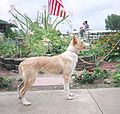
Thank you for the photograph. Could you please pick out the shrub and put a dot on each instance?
(89, 76)
(116, 76)
(107, 42)
(103, 46)
(4, 81)
(34, 34)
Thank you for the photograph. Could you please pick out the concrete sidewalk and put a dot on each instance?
(86, 101)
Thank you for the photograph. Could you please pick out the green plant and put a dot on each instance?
(103, 46)
(106, 81)
(89, 76)
(33, 34)
(20, 79)
(116, 76)
(4, 81)
(116, 80)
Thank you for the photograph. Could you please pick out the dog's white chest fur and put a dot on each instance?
(73, 57)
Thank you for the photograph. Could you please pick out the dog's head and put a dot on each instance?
(79, 45)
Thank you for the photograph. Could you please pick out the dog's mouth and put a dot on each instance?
(86, 48)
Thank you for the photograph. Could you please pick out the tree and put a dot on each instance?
(112, 22)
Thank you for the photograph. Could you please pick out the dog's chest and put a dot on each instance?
(72, 57)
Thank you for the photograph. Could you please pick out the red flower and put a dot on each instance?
(24, 47)
(0, 80)
(80, 78)
(90, 70)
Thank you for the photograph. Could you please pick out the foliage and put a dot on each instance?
(106, 44)
(113, 22)
(89, 76)
(20, 79)
(103, 46)
(39, 37)
(4, 81)
(116, 77)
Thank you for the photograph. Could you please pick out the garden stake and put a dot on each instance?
(101, 59)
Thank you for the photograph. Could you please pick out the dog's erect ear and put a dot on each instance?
(74, 39)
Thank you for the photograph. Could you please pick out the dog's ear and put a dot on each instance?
(74, 39)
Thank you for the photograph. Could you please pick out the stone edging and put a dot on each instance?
(13, 63)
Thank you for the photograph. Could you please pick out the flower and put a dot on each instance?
(0, 80)
(12, 6)
(42, 25)
(24, 47)
(9, 11)
(118, 48)
(116, 53)
(46, 39)
(45, 44)
(30, 32)
(89, 70)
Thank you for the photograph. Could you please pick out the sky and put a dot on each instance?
(94, 11)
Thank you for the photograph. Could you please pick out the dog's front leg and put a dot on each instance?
(66, 88)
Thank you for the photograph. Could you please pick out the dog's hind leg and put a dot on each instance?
(19, 88)
(27, 84)
(66, 87)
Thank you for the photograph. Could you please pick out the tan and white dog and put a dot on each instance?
(63, 64)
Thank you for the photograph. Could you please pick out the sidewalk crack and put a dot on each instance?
(95, 101)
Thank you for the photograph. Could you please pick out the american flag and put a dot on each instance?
(55, 7)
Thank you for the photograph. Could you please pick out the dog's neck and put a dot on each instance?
(71, 53)
(71, 48)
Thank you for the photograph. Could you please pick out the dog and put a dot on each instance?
(63, 64)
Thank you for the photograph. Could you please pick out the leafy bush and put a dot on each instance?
(89, 76)
(107, 42)
(116, 80)
(103, 46)
(116, 76)
(4, 81)
(34, 35)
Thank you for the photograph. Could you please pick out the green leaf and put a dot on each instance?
(116, 76)
(97, 70)
(117, 66)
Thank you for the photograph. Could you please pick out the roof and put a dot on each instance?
(4, 22)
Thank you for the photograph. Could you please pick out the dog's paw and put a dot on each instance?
(26, 103)
(71, 94)
(70, 98)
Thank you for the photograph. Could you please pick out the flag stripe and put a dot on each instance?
(52, 6)
(64, 14)
(55, 7)
(58, 11)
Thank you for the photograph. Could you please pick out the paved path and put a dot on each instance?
(86, 101)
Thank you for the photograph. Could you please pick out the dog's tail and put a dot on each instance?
(20, 69)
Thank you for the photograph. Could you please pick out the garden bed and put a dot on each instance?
(12, 86)
(97, 84)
